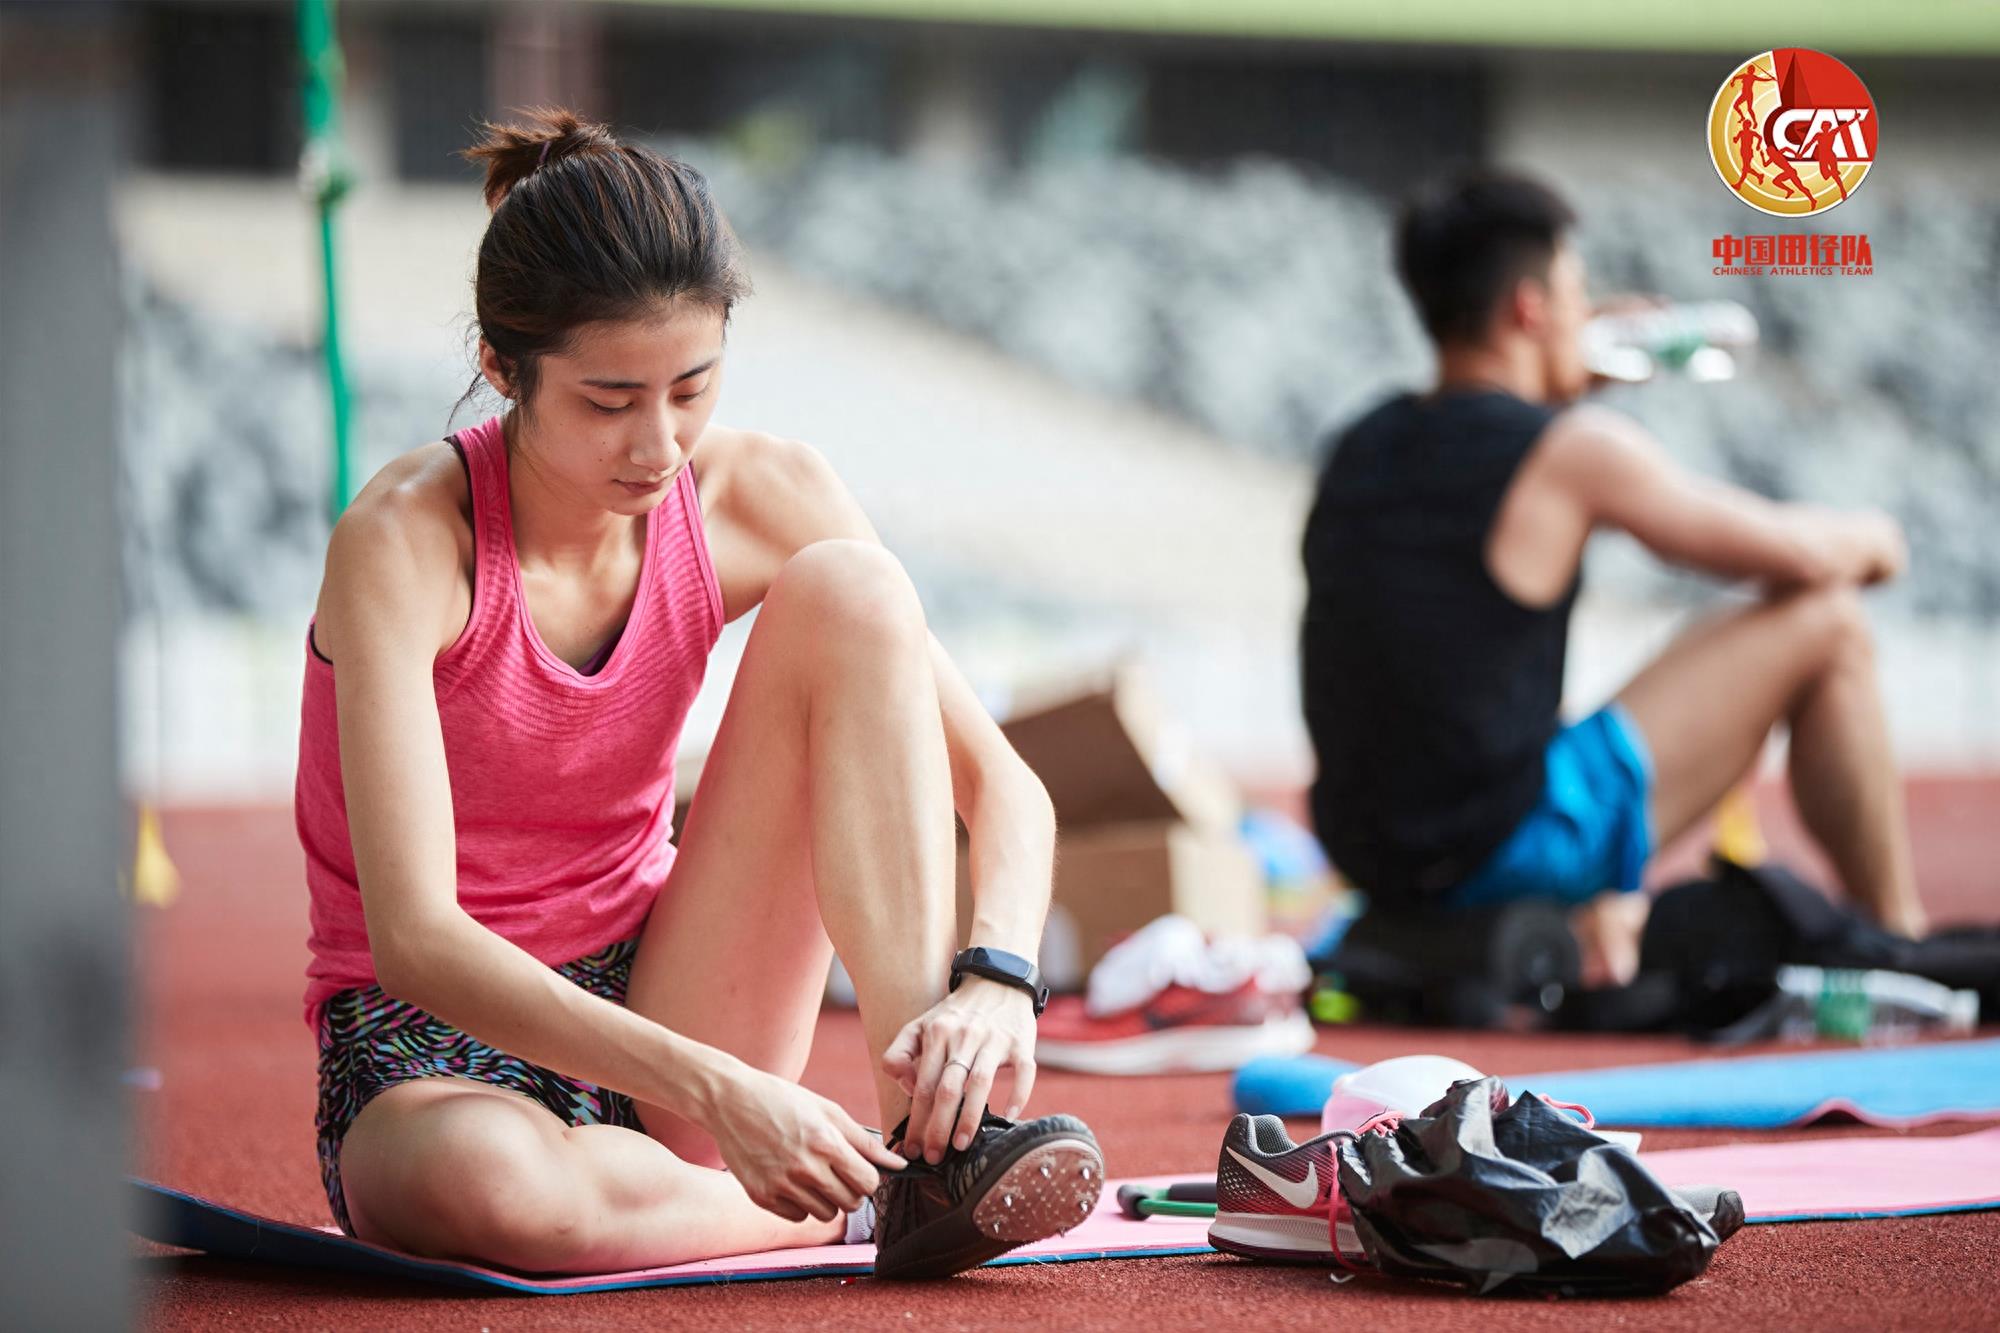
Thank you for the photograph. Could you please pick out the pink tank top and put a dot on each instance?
(562, 784)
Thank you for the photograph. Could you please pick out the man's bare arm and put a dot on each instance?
(1621, 478)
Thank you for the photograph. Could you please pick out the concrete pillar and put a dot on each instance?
(63, 833)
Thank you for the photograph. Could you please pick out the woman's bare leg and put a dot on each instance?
(458, 1169)
(1806, 659)
(825, 810)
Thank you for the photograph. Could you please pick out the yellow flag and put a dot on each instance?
(154, 879)
(1737, 835)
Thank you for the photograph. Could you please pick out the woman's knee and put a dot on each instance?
(850, 592)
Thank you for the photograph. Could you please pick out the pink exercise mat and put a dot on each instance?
(1780, 1182)
(1845, 1177)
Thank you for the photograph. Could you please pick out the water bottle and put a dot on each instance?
(1868, 1007)
(1699, 339)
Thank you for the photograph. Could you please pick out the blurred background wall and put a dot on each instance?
(1069, 293)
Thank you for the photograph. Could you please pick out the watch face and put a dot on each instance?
(998, 965)
(1007, 963)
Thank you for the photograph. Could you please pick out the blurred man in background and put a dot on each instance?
(1443, 557)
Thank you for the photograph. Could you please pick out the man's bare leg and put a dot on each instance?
(1805, 658)
(1848, 791)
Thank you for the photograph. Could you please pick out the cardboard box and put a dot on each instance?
(1108, 754)
(1114, 878)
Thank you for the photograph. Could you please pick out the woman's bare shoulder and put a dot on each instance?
(745, 475)
(396, 557)
(727, 453)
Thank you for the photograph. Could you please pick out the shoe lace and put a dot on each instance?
(1382, 1121)
(896, 1208)
(958, 1170)
(1589, 1120)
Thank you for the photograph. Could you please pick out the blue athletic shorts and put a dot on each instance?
(1592, 829)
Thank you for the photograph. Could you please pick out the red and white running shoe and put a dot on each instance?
(1276, 1199)
(1178, 1030)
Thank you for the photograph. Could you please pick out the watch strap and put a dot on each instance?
(1009, 969)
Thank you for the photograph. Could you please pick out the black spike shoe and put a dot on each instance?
(1015, 1184)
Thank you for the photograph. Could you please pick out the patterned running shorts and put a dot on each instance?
(369, 1042)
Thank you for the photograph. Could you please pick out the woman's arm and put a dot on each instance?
(1010, 826)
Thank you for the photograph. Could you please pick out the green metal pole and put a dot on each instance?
(326, 176)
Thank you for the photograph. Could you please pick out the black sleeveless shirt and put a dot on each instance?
(1429, 692)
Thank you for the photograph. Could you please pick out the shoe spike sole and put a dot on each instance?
(1048, 1190)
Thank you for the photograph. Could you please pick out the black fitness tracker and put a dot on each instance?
(1007, 968)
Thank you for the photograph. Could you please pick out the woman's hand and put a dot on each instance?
(796, 1153)
(946, 1059)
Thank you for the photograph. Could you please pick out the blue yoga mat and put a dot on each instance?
(1886, 1086)
(188, 1221)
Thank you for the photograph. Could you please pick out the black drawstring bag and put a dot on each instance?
(1489, 1194)
(1709, 959)
(1723, 939)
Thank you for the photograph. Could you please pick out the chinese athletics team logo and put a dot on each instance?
(1792, 132)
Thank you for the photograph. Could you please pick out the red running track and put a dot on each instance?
(220, 975)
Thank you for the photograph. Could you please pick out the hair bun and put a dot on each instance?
(512, 153)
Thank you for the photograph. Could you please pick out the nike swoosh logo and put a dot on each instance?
(1300, 1194)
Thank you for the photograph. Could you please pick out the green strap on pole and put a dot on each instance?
(326, 176)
